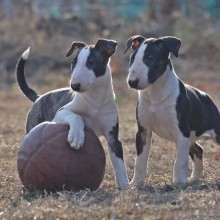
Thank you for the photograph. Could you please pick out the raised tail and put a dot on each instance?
(28, 92)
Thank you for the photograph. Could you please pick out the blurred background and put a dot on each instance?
(50, 26)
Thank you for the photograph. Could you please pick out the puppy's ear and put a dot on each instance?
(134, 42)
(75, 45)
(172, 44)
(107, 47)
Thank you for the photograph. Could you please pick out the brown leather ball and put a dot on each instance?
(47, 162)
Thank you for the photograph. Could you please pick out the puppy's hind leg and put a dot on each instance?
(196, 154)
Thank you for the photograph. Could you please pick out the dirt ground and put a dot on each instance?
(48, 69)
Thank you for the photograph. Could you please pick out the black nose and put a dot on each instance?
(76, 86)
(133, 83)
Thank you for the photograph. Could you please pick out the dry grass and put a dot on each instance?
(158, 199)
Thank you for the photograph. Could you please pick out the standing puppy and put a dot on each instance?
(94, 102)
(168, 107)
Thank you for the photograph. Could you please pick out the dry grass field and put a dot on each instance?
(198, 65)
(158, 199)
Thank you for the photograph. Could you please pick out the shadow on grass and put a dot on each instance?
(151, 195)
(171, 193)
(76, 197)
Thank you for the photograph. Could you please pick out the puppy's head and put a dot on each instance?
(150, 59)
(89, 63)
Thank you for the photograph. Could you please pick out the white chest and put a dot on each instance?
(162, 120)
(100, 119)
(92, 119)
(157, 106)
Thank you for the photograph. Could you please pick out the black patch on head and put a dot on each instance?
(97, 62)
(156, 54)
(115, 143)
(195, 111)
(156, 58)
(196, 150)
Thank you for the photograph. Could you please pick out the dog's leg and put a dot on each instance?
(196, 154)
(180, 175)
(143, 143)
(76, 124)
(116, 155)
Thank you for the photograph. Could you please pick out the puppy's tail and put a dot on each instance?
(28, 92)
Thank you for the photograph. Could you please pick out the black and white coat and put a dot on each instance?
(94, 103)
(90, 101)
(168, 107)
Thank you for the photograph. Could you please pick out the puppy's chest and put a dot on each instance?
(99, 119)
(161, 119)
(92, 117)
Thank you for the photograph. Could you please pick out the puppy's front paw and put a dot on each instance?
(180, 181)
(76, 138)
(123, 186)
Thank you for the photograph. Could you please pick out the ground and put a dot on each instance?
(198, 65)
(157, 199)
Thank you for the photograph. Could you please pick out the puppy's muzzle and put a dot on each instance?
(133, 83)
(76, 87)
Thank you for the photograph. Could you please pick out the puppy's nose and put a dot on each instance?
(133, 83)
(76, 86)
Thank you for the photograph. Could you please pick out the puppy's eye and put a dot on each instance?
(149, 59)
(90, 62)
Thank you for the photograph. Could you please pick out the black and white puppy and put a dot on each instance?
(168, 107)
(92, 104)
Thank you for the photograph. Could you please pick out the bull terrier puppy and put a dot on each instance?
(168, 107)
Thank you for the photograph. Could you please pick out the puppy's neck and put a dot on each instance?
(165, 87)
(102, 91)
